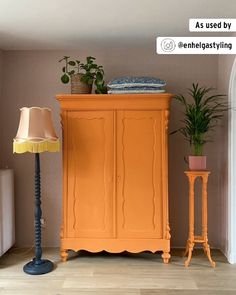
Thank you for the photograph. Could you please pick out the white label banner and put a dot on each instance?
(212, 24)
(196, 45)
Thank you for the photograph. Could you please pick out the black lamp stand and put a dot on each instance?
(38, 266)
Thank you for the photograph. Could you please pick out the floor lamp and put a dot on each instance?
(36, 135)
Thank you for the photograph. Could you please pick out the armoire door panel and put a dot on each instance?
(139, 178)
(90, 148)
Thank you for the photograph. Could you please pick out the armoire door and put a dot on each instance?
(139, 174)
(90, 183)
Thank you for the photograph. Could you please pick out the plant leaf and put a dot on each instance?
(65, 78)
(72, 63)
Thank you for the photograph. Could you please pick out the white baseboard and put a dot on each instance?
(196, 247)
(231, 257)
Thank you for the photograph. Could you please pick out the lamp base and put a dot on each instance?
(41, 267)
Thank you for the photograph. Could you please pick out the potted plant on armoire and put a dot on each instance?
(83, 75)
(202, 112)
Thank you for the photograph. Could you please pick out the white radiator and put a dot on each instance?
(7, 210)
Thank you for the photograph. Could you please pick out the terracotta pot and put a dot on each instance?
(197, 162)
(78, 87)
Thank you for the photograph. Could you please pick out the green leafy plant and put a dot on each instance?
(201, 115)
(91, 72)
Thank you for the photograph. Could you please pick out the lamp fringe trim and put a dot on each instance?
(36, 147)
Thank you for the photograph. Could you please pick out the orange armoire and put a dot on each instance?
(115, 173)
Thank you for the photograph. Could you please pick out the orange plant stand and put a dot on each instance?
(192, 239)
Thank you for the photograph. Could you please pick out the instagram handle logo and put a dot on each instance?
(168, 45)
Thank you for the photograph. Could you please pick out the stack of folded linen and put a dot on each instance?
(130, 84)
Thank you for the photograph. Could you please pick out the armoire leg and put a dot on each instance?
(165, 256)
(64, 255)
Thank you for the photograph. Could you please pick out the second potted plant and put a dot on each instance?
(201, 114)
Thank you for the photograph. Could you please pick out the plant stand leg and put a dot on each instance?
(207, 251)
(190, 251)
(38, 266)
(206, 246)
(186, 249)
(190, 242)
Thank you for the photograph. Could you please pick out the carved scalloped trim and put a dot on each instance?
(167, 113)
(62, 232)
(116, 250)
(168, 236)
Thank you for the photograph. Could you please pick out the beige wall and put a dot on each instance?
(31, 78)
(225, 67)
(1, 109)
(1, 69)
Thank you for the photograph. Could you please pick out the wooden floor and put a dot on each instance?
(103, 273)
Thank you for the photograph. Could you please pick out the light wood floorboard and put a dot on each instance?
(115, 274)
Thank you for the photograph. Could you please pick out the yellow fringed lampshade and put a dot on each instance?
(35, 133)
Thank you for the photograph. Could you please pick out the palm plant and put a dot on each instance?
(201, 115)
